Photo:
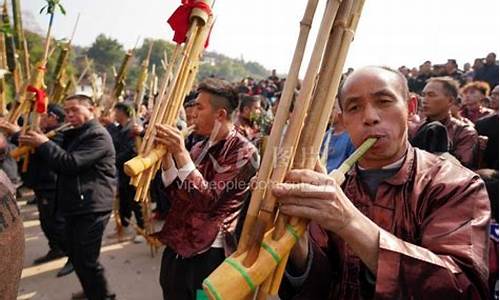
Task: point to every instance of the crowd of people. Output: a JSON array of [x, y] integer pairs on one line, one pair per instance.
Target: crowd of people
[[411, 220]]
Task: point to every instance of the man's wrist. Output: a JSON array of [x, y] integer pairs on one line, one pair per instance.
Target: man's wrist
[[182, 158]]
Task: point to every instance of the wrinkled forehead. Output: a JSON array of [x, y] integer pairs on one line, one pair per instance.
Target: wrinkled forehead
[[370, 81]]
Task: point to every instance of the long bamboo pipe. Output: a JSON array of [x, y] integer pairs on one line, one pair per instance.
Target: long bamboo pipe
[[278, 124], [287, 149], [315, 126]]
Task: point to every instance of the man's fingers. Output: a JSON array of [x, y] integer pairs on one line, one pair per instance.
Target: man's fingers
[[317, 203], [303, 190], [305, 212], [308, 176]]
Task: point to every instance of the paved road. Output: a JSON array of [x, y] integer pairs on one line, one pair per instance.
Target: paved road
[[130, 269]]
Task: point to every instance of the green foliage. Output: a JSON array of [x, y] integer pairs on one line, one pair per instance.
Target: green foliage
[[51, 7], [106, 52]]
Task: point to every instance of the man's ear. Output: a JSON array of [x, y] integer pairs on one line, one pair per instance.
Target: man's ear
[[412, 105], [222, 114]]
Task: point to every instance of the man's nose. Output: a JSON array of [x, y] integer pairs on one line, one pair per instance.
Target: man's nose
[[370, 116]]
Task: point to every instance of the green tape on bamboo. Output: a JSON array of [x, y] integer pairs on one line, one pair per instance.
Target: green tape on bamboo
[[212, 289], [238, 267], [271, 251], [293, 232]]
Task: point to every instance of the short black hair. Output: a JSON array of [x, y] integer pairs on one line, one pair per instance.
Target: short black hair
[[247, 100], [125, 108], [223, 94], [81, 98], [450, 85]]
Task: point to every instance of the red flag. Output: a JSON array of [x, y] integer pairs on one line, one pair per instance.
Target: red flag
[[40, 99], [179, 20]]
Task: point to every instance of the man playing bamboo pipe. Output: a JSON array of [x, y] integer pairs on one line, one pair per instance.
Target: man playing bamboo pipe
[[206, 197], [405, 223]]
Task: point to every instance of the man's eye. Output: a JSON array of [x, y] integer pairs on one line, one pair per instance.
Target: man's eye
[[352, 108]]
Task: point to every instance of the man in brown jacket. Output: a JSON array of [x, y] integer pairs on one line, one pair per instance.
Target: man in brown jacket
[[439, 95], [406, 224]]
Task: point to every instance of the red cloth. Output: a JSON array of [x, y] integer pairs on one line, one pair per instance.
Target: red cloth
[[179, 20], [41, 99]]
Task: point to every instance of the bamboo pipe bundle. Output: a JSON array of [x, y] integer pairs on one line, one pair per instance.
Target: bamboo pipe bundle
[[287, 149], [181, 87], [279, 124], [197, 36], [327, 82], [173, 91], [233, 280]]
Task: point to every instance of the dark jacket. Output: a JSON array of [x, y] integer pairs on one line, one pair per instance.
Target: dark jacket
[[40, 177], [86, 166], [124, 143]]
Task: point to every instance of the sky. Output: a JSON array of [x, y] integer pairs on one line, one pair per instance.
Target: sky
[[390, 32]]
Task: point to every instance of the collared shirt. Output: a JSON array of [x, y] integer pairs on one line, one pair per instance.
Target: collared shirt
[[207, 199], [433, 217]]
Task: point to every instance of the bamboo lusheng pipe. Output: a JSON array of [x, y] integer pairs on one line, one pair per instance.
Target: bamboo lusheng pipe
[[10, 48], [244, 280], [20, 41], [278, 124], [171, 97], [60, 70], [180, 88], [287, 150], [143, 76], [16, 153], [120, 76], [317, 119], [342, 35]]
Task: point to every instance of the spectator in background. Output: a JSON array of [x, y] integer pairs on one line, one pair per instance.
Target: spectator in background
[[473, 93], [489, 71], [488, 126], [468, 73], [451, 68], [455, 110], [192, 138], [337, 145], [249, 112], [439, 94], [417, 84]]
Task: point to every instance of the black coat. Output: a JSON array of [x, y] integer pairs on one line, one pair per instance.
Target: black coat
[[124, 143], [86, 166], [40, 177]]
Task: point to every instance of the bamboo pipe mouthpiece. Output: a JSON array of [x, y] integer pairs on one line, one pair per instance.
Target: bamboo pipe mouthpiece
[[140, 163], [244, 281], [201, 14], [19, 152]]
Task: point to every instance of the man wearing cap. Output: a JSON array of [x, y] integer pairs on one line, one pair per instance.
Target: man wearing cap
[[86, 186]]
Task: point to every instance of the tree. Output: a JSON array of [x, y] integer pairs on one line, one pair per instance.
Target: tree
[[106, 52]]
